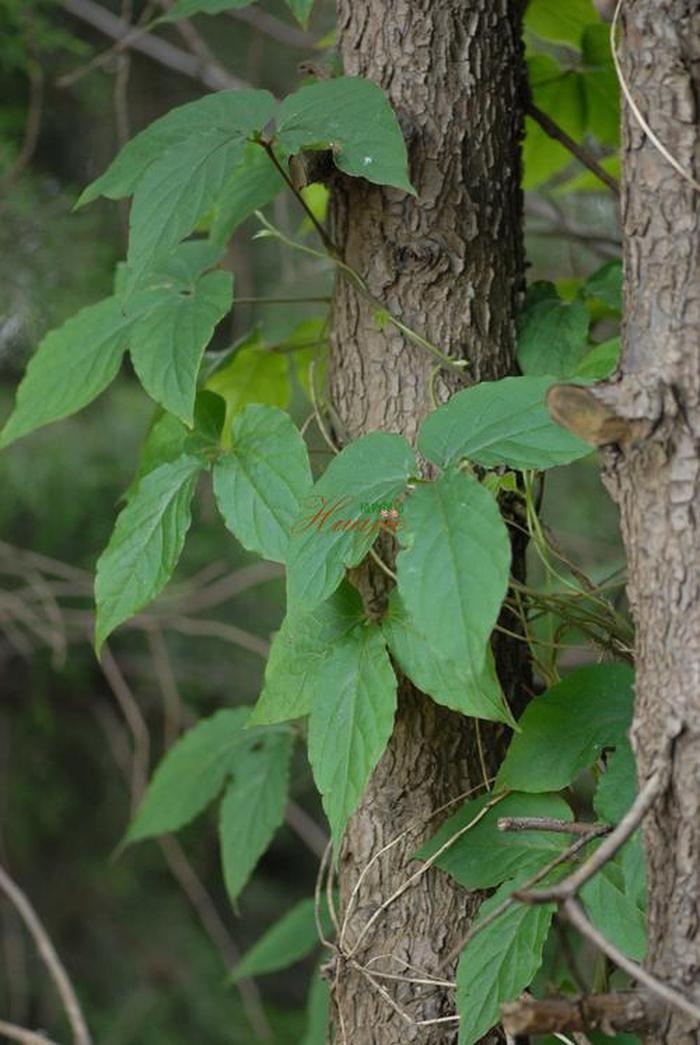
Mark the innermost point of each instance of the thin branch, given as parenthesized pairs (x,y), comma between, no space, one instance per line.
(211,921)
(574,912)
(196,43)
(220,630)
(561,858)
(607,849)
(621,1011)
(26,1037)
(129,708)
(275,28)
(546,823)
(160,50)
(313,836)
(172,701)
(582,155)
(69,999)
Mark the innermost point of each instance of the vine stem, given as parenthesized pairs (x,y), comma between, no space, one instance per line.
(332,251)
(325,238)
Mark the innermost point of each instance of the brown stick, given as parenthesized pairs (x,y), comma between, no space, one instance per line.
(624,1011)
(545,823)
(582,155)
(574,912)
(69,999)
(162,51)
(607,849)
(26,1037)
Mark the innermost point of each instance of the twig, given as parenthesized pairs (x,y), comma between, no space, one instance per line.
(607,849)
(562,858)
(574,912)
(547,823)
(196,44)
(132,714)
(275,28)
(69,1000)
(306,828)
(199,898)
(161,51)
(220,630)
(582,155)
(172,702)
(27,1037)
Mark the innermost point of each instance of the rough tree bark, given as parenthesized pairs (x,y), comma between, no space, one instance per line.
(656,480)
(450,265)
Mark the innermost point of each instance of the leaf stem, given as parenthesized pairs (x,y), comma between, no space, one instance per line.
(325,238)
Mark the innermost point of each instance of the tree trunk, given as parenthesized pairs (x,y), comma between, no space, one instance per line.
(656,481)
(450,265)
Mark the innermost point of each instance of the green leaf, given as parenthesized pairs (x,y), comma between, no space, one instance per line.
(499,422)
(484,856)
(165,442)
(251,375)
(617,787)
(305,641)
(209,415)
(72,365)
(182,183)
(317,1012)
(173,131)
(601,361)
(350,725)
(614,912)
(562,23)
(498,963)
(351,117)
(606,284)
(187,8)
(168,438)
(301,9)
(332,533)
(565,730)
(453,571)
(260,485)
(145,545)
(553,337)
(601,87)
(191,774)
(174,319)
(251,185)
(253,805)
(466,689)
(287,942)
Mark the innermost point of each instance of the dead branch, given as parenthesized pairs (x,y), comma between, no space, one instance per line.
(213,77)
(623,1011)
